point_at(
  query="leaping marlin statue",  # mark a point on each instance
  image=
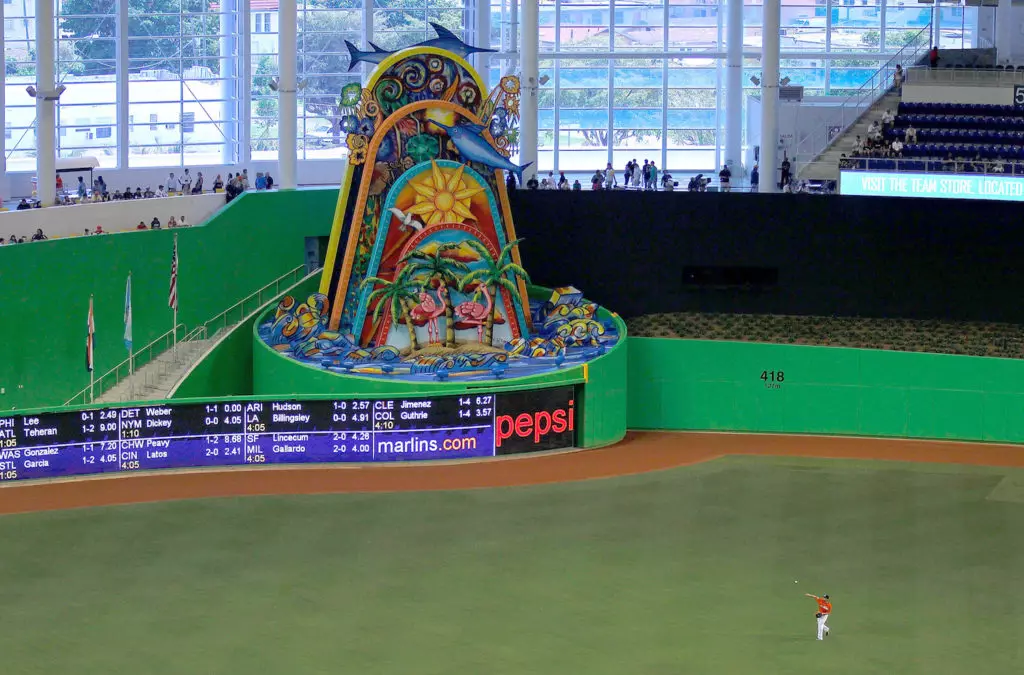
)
(445, 39)
(473, 147)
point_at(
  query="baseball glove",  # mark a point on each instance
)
(818, 615)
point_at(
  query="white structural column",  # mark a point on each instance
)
(123, 93)
(769, 165)
(46, 110)
(229, 65)
(530, 32)
(287, 102)
(734, 88)
(1004, 32)
(483, 40)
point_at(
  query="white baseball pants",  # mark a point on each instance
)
(822, 628)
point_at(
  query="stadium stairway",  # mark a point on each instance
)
(826, 165)
(156, 380)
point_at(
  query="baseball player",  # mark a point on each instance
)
(824, 609)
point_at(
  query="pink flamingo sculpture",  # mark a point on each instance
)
(475, 314)
(428, 310)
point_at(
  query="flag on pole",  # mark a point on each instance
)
(128, 314)
(172, 299)
(91, 328)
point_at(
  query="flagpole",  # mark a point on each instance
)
(92, 364)
(131, 343)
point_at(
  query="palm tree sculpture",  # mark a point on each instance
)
(401, 294)
(495, 274)
(444, 269)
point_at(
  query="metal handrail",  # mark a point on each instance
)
(929, 165)
(973, 75)
(258, 295)
(200, 332)
(846, 114)
(130, 362)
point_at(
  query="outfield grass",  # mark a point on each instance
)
(683, 571)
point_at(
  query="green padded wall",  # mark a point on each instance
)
(696, 384)
(45, 287)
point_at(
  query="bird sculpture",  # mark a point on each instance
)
(406, 220)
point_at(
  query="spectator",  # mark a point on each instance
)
(897, 79)
(148, 193)
(667, 183)
(933, 57)
(609, 177)
(155, 224)
(552, 183)
(634, 178)
(755, 178)
(127, 194)
(172, 183)
(181, 223)
(140, 226)
(39, 236)
(245, 179)
(875, 132)
(261, 182)
(138, 192)
(653, 169)
(897, 148)
(2, 242)
(172, 222)
(724, 177)
(576, 185)
(117, 194)
(510, 181)
(218, 183)
(998, 167)
(270, 181)
(545, 184)
(563, 182)
(160, 191)
(23, 205)
(910, 135)
(627, 175)
(60, 183)
(532, 184)
(786, 176)
(858, 145)
(597, 180)
(87, 232)
(198, 189)
(645, 174)
(185, 181)
(81, 189)
(12, 240)
(103, 186)
(888, 118)
(99, 230)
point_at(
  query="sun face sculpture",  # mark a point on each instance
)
(442, 196)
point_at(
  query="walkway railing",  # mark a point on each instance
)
(123, 370)
(841, 117)
(244, 307)
(987, 167)
(968, 76)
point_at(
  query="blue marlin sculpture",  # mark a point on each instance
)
(445, 40)
(473, 147)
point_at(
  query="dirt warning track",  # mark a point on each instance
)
(640, 452)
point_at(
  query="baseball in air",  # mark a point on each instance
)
(796, 582)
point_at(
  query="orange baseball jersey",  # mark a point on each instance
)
(824, 606)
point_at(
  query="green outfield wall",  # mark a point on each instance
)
(45, 287)
(705, 385)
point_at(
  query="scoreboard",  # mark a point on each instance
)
(253, 432)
